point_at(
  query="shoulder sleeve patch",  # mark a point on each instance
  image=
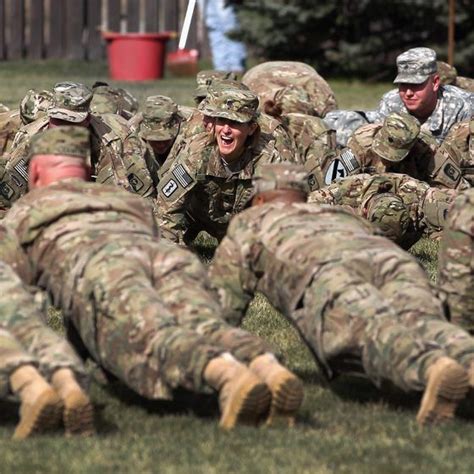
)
(183, 177)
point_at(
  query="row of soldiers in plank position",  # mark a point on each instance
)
(150, 314)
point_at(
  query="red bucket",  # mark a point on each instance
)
(136, 56)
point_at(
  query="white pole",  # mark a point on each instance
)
(187, 24)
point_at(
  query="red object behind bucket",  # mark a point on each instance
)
(136, 56)
(183, 62)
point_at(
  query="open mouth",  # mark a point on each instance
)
(226, 140)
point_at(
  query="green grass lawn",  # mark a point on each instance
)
(345, 427)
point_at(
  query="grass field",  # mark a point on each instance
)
(345, 427)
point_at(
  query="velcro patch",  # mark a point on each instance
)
(451, 172)
(22, 169)
(135, 182)
(183, 177)
(349, 160)
(169, 188)
(6, 191)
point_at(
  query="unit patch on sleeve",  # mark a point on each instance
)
(170, 187)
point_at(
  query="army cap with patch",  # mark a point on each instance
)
(204, 80)
(161, 119)
(35, 104)
(415, 66)
(71, 101)
(230, 100)
(281, 176)
(394, 140)
(66, 140)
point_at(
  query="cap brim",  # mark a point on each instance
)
(411, 78)
(158, 135)
(235, 116)
(395, 155)
(68, 115)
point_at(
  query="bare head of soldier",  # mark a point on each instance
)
(418, 81)
(233, 108)
(280, 182)
(58, 153)
(70, 105)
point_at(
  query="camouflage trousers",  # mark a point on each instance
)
(374, 310)
(145, 312)
(456, 264)
(24, 338)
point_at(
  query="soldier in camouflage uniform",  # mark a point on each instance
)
(205, 78)
(37, 365)
(456, 154)
(420, 93)
(142, 307)
(157, 126)
(112, 100)
(33, 106)
(267, 78)
(115, 150)
(399, 146)
(359, 302)
(209, 176)
(448, 75)
(403, 208)
(456, 261)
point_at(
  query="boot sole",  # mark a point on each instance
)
(287, 397)
(45, 415)
(445, 389)
(78, 415)
(247, 404)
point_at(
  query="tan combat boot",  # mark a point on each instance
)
(78, 415)
(286, 388)
(447, 385)
(243, 397)
(41, 407)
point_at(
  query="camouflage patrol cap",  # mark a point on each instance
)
(161, 119)
(390, 214)
(447, 73)
(71, 102)
(281, 176)
(205, 78)
(231, 100)
(112, 100)
(66, 140)
(35, 104)
(415, 65)
(394, 140)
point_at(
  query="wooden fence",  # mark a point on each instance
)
(71, 29)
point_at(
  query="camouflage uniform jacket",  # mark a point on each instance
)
(10, 122)
(197, 192)
(276, 249)
(116, 158)
(454, 105)
(456, 154)
(68, 222)
(264, 79)
(427, 206)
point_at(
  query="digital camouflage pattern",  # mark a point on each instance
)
(71, 102)
(455, 156)
(362, 304)
(427, 207)
(454, 105)
(344, 123)
(112, 100)
(143, 308)
(415, 66)
(268, 77)
(456, 261)
(24, 337)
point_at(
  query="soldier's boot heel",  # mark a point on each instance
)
(447, 385)
(41, 407)
(286, 389)
(78, 414)
(243, 397)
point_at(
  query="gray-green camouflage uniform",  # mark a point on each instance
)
(358, 301)
(456, 261)
(141, 306)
